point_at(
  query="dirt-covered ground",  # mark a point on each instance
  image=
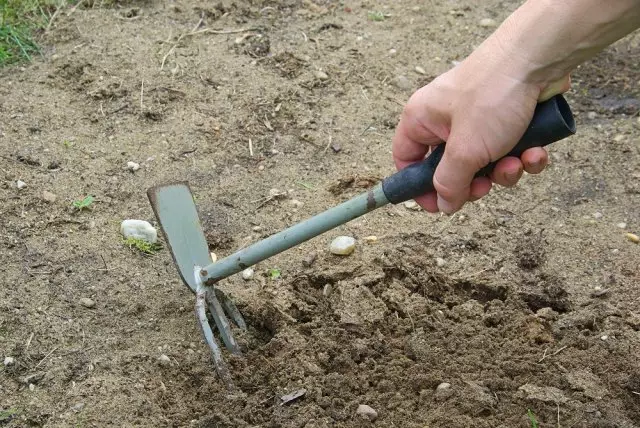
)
(535, 303)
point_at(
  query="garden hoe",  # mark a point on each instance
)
(176, 212)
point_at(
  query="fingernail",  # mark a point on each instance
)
(513, 176)
(445, 206)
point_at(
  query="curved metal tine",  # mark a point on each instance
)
(222, 322)
(221, 366)
(231, 309)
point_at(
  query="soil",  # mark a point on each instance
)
(535, 307)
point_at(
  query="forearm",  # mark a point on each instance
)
(547, 39)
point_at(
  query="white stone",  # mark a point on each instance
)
(604, 337)
(622, 225)
(326, 291)
(214, 257)
(597, 215)
(343, 245)
(139, 229)
(296, 203)
(9, 361)
(164, 360)
(487, 22)
(367, 412)
(321, 75)
(247, 274)
(443, 386)
(257, 228)
(371, 239)
(412, 205)
(592, 115)
(32, 387)
(420, 70)
(392, 51)
(132, 166)
(87, 302)
(21, 184)
(440, 261)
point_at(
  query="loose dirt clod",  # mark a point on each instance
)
(247, 274)
(9, 361)
(49, 197)
(164, 360)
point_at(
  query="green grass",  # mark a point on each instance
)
(83, 204)
(21, 21)
(532, 418)
(142, 246)
(6, 415)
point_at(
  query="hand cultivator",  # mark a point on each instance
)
(176, 212)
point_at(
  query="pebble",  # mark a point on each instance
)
(392, 51)
(487, 22)
(132, 166)
(597, 215)
(296, 203)
(604, 337)
(247, 274)
(139, 229)
(274, 193)
(214, 257)
(618, 138)
(32, 387)
(592, 115)
(309, 260)
(420, 70)
(164, 360)
(440, 262)
(49, 197)
(401, 82)
(257, 228)
(9, 361)
(21, 184)
(321, 75)
(367, 412)
(326, 291)
(633, 238)
(622, 225)
(77, 408)
(261, 168)
(342, 245)
(412, 205)
(87, 302)
(371, 239)
(336, 148)
(443, 391)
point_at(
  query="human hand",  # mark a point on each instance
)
(481, 109)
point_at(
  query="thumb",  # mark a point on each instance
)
(463, 158)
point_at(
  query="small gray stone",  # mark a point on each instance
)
(257, 228)
(326, 291)
(487, 22)
(310, 259)
(412, 205)
(77, 408)
(21, 184)
(440, 262)
(164, 360)
(597, 215)
(443, 391)
(367, 412)
(247, 274)
(420, 70)
(9, 361)
(343, 245)
(87, 302)
(133, 166)
(401, 82)
(592, 115)
(49, 197)
(321, 75)
(622, 225)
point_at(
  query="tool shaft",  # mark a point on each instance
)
(294, 235)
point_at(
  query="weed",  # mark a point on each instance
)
(83, 203)
(143, 246)
(7, 415)
(20, 20)
(67, 144)
(532, 418)
(305, 185)
(274, 273)
(376, 16)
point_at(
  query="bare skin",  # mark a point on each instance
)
(483, 106)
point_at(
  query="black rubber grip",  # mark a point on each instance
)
(552, 121)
